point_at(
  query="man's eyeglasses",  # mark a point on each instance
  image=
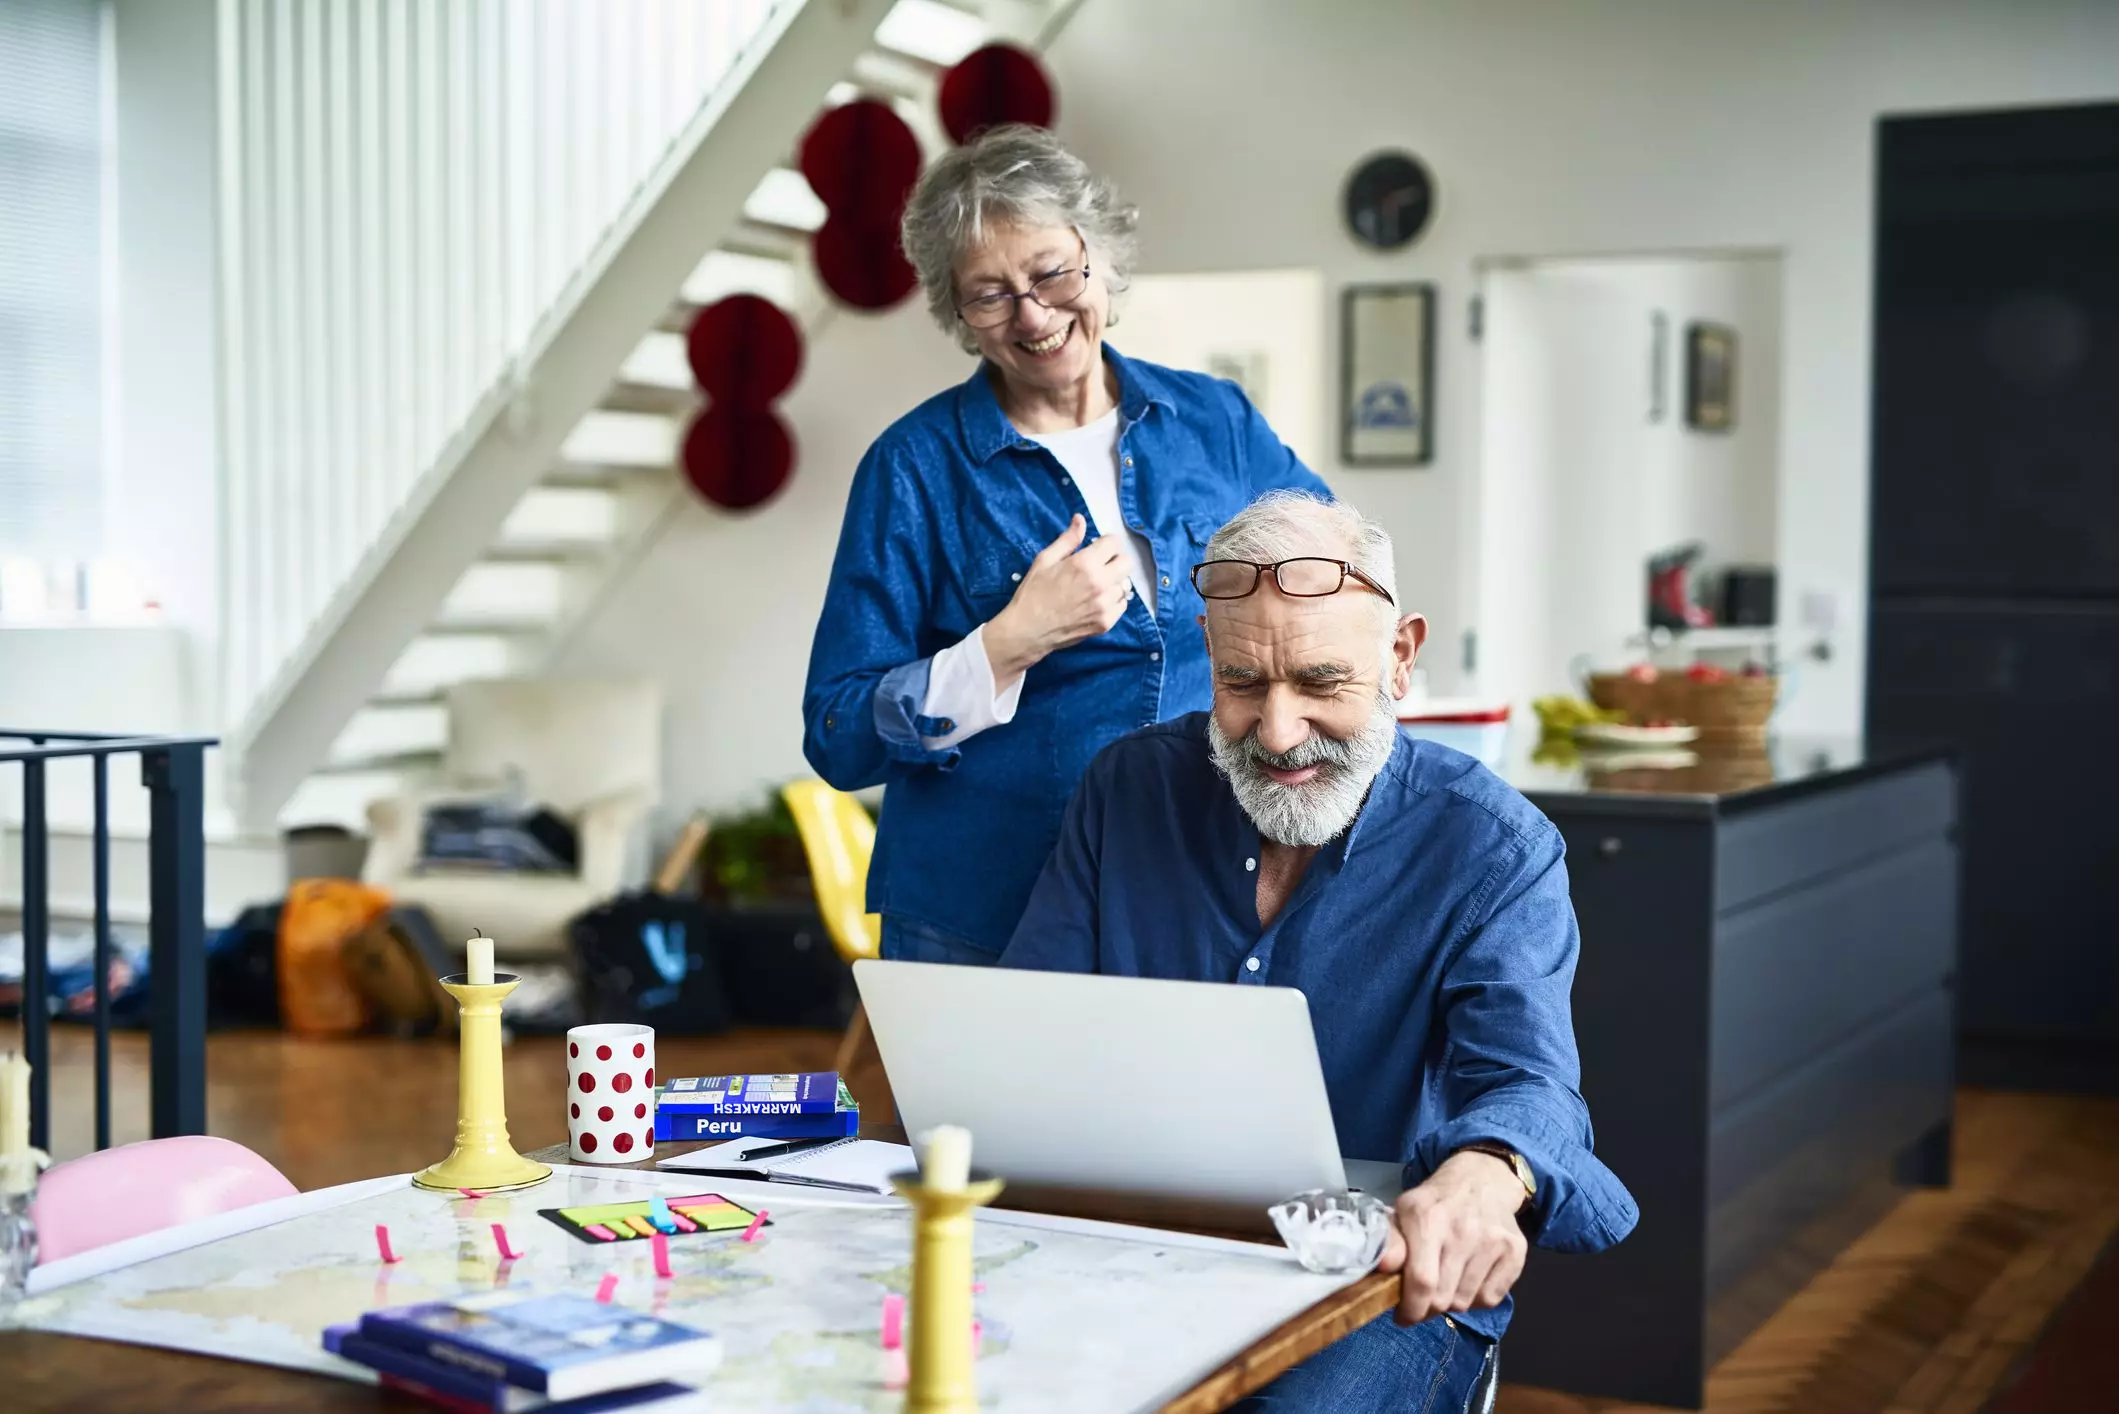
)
(1304, 578)
(1053, 290)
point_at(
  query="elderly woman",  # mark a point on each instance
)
(1012, 589)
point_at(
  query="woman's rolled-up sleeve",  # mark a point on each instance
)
(861, 710)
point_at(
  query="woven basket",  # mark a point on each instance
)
(1734, 710)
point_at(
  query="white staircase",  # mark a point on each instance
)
(562, 473)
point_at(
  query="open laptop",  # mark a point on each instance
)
(1193, 1090)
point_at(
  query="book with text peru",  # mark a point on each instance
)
(682, 1125)
(817, 1092)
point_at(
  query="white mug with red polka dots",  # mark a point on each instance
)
(611, 1093)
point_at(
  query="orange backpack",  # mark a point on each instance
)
(317, 995)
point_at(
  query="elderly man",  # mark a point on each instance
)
(1293, 837)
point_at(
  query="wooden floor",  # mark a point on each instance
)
(1926, 1313)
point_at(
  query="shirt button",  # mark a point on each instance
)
(947, 725)
(1166, 581)
(1250, 964)
(1017, 578)
(1155, 657)
(1250, 865)
(1129, 461)
(827, 723)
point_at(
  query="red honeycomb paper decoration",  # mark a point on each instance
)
(861, 160)
(737, 458)
(997, 84)
(744, 351)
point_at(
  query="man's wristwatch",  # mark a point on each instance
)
(1516, 1162)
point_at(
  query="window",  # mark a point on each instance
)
(51, 261)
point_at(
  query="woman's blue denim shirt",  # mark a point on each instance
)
(946, 511)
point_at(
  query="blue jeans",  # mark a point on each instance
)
(1423, 1369)
(908, 940)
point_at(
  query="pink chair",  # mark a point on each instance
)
(118, 1193)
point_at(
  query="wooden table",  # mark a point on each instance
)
(45, 1373)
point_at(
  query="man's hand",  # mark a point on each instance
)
(1070, 593)
(1455, 1237)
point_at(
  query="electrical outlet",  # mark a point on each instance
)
(1820, 610)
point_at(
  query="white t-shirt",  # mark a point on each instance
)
(960, 686)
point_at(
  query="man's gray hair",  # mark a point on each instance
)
(1285, 525)
(1013, 175)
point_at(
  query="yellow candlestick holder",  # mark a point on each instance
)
(483, 1157)
(941, 1379)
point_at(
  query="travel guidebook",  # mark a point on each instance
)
(818, 1092)
(815, 1105)
(558, 1345)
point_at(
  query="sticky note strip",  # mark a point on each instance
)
(642, 1226)
(658, 1213)
(600, 1232)
(684, 1224)
(893, 1321)
(607, 1288)
(382, 1243)
(661, 1247)
(750, 1234)
(500, 1240)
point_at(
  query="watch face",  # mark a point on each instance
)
(1389, 199)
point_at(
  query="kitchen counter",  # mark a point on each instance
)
(1765, 1007)
(1721, 781)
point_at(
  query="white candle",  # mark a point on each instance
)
(478, 961)
(945, 1165)
(14, 1105)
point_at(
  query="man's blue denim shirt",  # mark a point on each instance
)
(946, 511)
(1434, 941)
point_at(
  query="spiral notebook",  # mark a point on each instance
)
(855, 1165)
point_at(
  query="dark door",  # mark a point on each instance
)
(1994, 568)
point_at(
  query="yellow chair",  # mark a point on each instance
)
(838, 836)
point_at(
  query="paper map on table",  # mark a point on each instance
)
(1075, 1315)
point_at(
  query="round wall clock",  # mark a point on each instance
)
(1389, 198)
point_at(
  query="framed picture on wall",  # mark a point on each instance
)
(1387, 375)
(1710, 377)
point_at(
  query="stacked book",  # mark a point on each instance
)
(518, 1349)
(814, 1105)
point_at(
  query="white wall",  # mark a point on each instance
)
(1566, 127)
(1278, 316)
(1579, 481)
(163, 511)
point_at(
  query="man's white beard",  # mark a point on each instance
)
(1317, 810)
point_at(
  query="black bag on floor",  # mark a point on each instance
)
(649, 958)
(781, 967)
(243, 970)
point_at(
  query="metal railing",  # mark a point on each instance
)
(173, 770)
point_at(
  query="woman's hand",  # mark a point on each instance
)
(1071, 592)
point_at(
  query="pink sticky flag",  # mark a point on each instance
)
(978, 1337)
(978, 1288)
(893, 1321)
(661, 1245)
(607, 1288)
(472, 1193)
(382, 1242)
(750, 1234)
(500, 1240)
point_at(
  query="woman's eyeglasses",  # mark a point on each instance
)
(1304, 578)
(1053, 290)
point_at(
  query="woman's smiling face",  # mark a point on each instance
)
(1037, 348)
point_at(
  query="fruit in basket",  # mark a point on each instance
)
(1559, 715)
(1754, 669)
(1707, 672)
(1642, 672)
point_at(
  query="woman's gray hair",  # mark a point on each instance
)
(1285, 525)
(1015, 175)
